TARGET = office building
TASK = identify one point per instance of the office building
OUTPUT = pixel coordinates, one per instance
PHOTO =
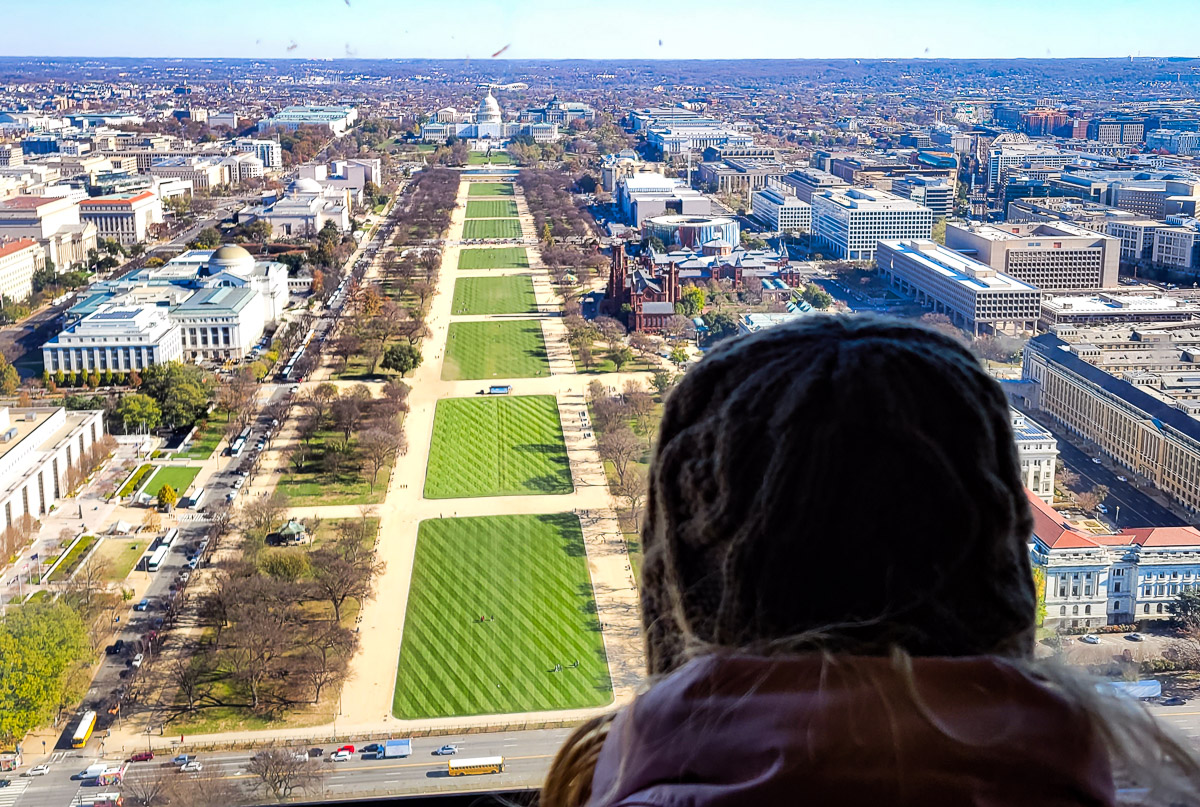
(1088, 215)
(613, 167)
(19, 259)
(202, 172)
(1185, 144)
(39, 447)
(848, 224)
(336, 118)
(1116, 129)
(804, 182)
(54, 223)
(1038, 452)
(117, 338)
(1128, 304)
(973, 295)
(1153, 436)
(1136, 237)
(1177, 245)
(304, 210)
(269, 151)
(227, 119)
(780, 211)
(124, 217)
(1048, 255)
(351, 175)
(1009, 152)
(934, 193)
(11, 155)
(220, 323)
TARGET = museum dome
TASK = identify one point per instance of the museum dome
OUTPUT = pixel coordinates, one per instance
(230, 258)
(307, 185)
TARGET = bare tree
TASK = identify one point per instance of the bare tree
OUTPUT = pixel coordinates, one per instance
(156, 789)
(319, 402)
(620, 446)
(379, 446)
(631, 489)
(263, 513)
(343, 572)
(282, 771)
(204, 789)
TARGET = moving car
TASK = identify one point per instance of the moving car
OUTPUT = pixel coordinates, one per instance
(1176, 701)
(316, 752)
(347, 748)
(1090, 638)
(143, 605)
(38, 770)
(1096, 460)
(1122, 479)
(369, 748)
(142, 756)
(340, 756)
(1101, 508)
(1135, 637)
(445, 750)
(137, 660)
(5, 782)
(183, 759)
(192, 767)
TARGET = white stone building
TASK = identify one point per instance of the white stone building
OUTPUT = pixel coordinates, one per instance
(37, 447)
(1038, 451)
(116, 337)
(19, 259)
(847, 224)
(124, 217)
(781, 211)
(269, 151)
(53, 222)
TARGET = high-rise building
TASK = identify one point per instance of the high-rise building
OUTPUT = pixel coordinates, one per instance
(934, 193)
(848, 224)
(1048, 255)
(781, 211)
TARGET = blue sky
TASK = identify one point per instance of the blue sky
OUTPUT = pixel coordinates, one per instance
(475, 29)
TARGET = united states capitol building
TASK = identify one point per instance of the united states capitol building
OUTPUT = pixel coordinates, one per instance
(487, 125)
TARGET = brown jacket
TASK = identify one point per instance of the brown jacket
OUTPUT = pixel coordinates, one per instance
(852, 732)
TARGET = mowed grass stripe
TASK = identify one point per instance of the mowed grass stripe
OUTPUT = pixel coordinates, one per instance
(490, 189)
(486, 350)
(492, 228)
(491, 209)
(510, 446)
(499, 258)
(507, 294)
(530, 573)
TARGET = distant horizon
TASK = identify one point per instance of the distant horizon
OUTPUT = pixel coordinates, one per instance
(545, 30)
(499, 60)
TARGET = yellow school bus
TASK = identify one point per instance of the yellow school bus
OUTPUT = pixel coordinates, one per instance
(469, 767)
(86, 724)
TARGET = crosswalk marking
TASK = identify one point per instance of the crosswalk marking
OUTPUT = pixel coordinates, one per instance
(10, 794)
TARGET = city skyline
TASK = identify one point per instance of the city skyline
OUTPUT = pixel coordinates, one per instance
(536, 29)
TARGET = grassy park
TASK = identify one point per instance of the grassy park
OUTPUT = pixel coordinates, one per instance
(122, 554)
(500, 446)
(492, 228)
(506, 294)
(490, 189)
(491, 209)
(312, 482)
(514, 349)
(527, 576)
(501, 258)
(72, 559)
(177, 476)
(207, 436)
(494, 158)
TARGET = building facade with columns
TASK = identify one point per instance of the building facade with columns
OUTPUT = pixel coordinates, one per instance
(117, 337)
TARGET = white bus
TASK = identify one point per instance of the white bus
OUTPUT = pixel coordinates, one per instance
(157, 558)
(197, 499)
(470, 767)
(168, 540)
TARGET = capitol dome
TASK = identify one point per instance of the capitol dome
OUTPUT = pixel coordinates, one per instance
(489, 110)
(231, 258)
(307, 185)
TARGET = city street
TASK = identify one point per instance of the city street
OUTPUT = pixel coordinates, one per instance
(527, 757)
(1136, 508)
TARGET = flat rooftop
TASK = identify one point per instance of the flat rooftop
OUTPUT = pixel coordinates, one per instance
(956, 267)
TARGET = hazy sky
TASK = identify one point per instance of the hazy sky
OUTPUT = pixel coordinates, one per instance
(614, 29)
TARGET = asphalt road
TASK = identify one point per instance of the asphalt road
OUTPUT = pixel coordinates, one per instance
(527, 758)
(1137, 509)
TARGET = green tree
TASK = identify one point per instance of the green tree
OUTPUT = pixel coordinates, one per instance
(260, 230)
(183, 391)
(1185, 610)
(167, 496)
(621, 356)
(208, 238)
(402, 358)
(40, 644)
(1039, 588)
(9, 380)
(817, 297)
(939, 231)
(691, 301)
(662, 380)
(140, 410)
(720, 326)
(679, 356)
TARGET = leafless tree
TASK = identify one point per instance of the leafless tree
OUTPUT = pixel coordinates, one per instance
(282, 771)
(620, 446)
(155, 789)
(631, 489)
(379, 446)
(264, 513)
(343, 572)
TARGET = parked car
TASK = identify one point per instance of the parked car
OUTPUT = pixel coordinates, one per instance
(193, 766)
(300, 756)
(1135, 637)
(184, 576)
(1090, 638)
(339, 756)
(119, 646)
(38, 770)
(347, 748)
(5, 782)
(142, 756)
(445, 750)
(143, 605)
(1101, 509)
(1096, 460)
(1176, 701)
(111, 650)
(316, 752)
(1122, 479)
